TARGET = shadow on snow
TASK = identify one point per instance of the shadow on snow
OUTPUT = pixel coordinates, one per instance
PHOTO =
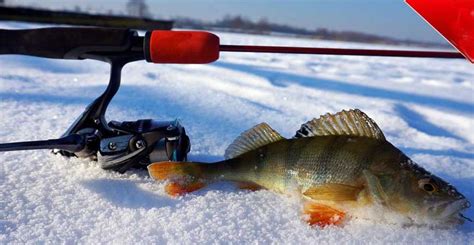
(126, 193)
(417, 121)
(283, 79)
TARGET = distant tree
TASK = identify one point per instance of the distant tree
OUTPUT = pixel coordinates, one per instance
(242, 24)
(263, 25)
(236, 22)
(2, 2)
(322, 33)
(138, 8)
(77, 9)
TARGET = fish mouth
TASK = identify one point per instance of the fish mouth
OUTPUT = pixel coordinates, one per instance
(451, 211)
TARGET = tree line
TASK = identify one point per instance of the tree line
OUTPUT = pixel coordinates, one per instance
(263, 26)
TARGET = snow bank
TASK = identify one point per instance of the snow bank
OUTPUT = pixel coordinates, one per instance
(424, 106)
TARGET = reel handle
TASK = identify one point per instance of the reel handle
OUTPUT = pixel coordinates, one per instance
(70, 143)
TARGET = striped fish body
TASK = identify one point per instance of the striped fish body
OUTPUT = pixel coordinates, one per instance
(307, 162)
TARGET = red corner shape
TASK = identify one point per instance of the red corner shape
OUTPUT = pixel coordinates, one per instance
(454, 19)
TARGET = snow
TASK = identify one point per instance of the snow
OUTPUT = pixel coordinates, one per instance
(424, 106)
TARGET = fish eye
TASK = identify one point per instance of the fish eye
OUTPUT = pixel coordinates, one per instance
(427, 185)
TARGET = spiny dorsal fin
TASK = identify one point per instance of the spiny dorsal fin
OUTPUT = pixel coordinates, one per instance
(260, 135)
(351, 123)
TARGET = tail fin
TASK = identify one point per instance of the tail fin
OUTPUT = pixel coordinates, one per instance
(184, 177)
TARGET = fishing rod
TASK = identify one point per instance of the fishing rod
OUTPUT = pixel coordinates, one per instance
(169, 46)
(123, 145)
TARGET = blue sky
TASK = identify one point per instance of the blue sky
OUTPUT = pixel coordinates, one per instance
(384, 17)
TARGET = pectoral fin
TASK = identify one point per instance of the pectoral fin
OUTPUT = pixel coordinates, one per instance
(333, 192)
(375, 189)
(322, 215)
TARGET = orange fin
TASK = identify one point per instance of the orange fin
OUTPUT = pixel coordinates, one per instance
(249, 186)
(178, 189)
(184, 177)
(323, 215)
(171, 170)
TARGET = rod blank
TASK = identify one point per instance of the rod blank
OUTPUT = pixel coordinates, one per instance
(341, 51)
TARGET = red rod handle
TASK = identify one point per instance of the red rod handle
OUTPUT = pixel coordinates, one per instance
(181, 47)
(198, 47)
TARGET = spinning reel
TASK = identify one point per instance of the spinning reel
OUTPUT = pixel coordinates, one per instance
(115, 145)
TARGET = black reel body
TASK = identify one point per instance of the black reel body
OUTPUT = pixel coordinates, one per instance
(133, 145)
(117, 146)
(139, 143)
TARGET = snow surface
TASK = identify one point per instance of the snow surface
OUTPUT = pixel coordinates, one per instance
(424, 106)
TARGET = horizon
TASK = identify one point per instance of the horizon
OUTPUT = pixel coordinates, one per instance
(389, 18)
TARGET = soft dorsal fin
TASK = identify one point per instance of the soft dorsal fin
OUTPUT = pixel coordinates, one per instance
(351, 123)
(260, 135)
